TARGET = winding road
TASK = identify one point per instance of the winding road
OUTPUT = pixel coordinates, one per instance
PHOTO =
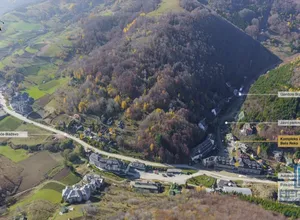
(178, 178)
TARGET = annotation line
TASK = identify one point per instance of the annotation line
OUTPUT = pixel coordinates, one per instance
(257, 141)
(251, 122)
(253, 94)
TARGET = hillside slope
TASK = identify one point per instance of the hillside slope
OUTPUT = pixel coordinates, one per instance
(165, 73)
(132, 60)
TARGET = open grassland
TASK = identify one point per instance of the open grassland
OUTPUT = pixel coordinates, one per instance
(167, 6)
(36, 135)
(14, 155)
(9, 124)
(202, 180)
(35, 92)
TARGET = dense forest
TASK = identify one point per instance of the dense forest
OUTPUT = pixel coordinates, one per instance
(276, 19)
(165, 73)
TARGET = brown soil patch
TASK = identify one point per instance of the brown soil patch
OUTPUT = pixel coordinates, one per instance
(10, 177)
(35, 169)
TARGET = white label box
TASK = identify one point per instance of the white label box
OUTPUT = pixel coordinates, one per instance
(13, 134)
(288, 94)
(288, 122)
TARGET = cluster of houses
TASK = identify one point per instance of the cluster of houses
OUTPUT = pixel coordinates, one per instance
(80, 193)
(21, 103)
(114, 165)
(240, 165)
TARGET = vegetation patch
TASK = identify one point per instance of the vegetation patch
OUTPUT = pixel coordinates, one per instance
(14, 155)
(35, 169)
(53, 186)
(39, 136)
(202, 180)
(35, 92)
(9, 123)
(167, 6)
(71, 179)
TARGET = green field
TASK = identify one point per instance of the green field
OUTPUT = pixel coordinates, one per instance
(51, 86)
(35, 92)
(9, 124)
(167, 6)
(41, 137)
(50, 192)
(202, 180)
(14, 155)
(31, 50)
(71, 179)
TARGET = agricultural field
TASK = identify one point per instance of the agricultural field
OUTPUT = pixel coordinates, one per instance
(70, 179)
(10, 175)
(9, 124)
(35, 169)
(49, 193)
(14, 155)
(39, 135)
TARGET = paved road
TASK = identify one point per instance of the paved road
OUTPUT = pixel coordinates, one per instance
(182, 178)
(179, 179)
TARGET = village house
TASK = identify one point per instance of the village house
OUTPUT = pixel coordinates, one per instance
(111, 165)
(247, 129)
(77, 193)
(203, 149)
(202, 125)
(146, 186)
(278, 155)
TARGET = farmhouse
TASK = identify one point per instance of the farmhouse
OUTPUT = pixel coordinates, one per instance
(203, 149)
(77, 193)
(146, 186)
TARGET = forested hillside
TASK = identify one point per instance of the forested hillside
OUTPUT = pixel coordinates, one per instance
(270, 108)
(274, 22)
(164, 72)
(161, 66)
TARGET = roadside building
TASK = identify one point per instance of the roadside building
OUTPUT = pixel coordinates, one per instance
(146, 186)
(222, 183)
(244, 191)
(241, 165)
(203, 149)
(138, 166)
(111, 165)
(173, 171)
